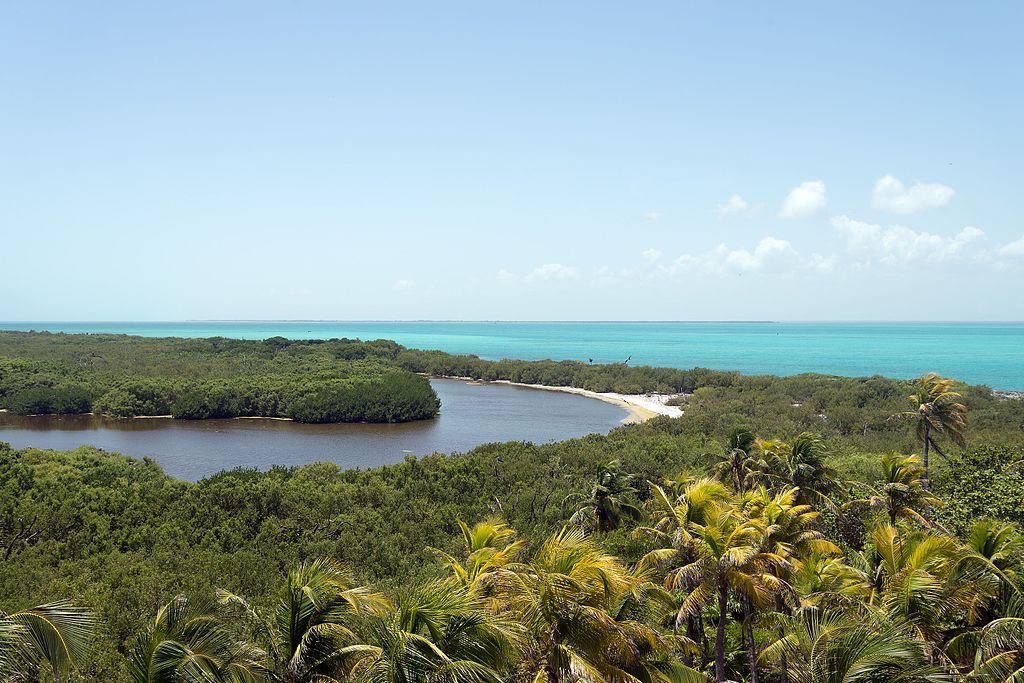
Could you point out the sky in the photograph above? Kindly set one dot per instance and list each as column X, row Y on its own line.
column 515, row 161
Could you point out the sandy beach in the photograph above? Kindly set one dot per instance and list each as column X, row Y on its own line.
column 641, row 407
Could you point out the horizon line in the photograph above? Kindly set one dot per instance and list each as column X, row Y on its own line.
column 503, row 320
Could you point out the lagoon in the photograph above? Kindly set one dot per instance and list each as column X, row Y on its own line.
column 471, row 414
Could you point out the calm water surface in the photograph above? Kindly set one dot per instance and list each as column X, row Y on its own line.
column 471, row 414
column 979, row 353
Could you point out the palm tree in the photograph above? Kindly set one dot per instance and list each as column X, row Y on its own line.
column 738, row 466
column 729, row 561
column 437, row 633
column 835, row 646
column 790, row 533
column 489, row 545
column 188, row 642
column 570, row 598
column 937, row 412
column 996, row 651
column 51, row 637
column 998, row 546
column 800, row 463
column 917, row 578
column 902, row 491
column 308, row 634
column 608, row 502
column 827, row 581
column 673, row 516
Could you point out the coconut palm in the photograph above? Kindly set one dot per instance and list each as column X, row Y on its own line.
column 438, row 632
column 789, row 532
column 999, row 546
column 835, row 646
column 937, row 412
column 570, row 598
column 489, row 545
column 739, row 466
column 996, row 651
column 609, row 501
column 188, row 642
column 51, row 638
column 902, row 492
column 308, row 634
column 673, row 515
column 728, row 562
column 800, row 463
column 917, row 579
column 827, row 581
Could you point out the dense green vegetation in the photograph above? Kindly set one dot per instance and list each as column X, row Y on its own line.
column 196, row 379
column 777, row 529
column 617, row 377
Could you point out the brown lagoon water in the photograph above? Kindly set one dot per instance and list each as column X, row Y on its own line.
column 471, row 414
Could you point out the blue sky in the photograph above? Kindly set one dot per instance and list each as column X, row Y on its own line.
column 678, row 160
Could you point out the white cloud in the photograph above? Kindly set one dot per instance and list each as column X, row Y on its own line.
column 552, row 271
column 542, row 273
column 897, row 244
column 403, row 285
column 651, row 255
column 652, row 216
column 736, row 204
column 1013, row 249
column 891, row 195
column 768, row 255
column 610, row 276
column 807, row 199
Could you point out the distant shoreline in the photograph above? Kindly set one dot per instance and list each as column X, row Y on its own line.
column 641, row 407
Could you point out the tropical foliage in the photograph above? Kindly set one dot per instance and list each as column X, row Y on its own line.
column 658, row 553
column 198, row 379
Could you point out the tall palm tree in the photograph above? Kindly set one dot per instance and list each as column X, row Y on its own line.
column 609, row 501
column 674, row 513
column 790, row 533
column 836, row 646
column 902, row 493
column 937, row 412
column 729, row 562
column 308, row 634
column 437, row 633
column 188, row 642
column 51, row 637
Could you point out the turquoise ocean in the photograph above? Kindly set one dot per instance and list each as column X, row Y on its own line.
column 979, row 353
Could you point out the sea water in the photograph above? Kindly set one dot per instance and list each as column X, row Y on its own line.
column 978, row 353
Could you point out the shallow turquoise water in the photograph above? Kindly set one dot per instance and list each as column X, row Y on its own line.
column 980, row 353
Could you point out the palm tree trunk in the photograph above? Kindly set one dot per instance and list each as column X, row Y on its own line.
column 780, row 607
column 723, row 600
column 703, row 640
column 927, row 472
column 748, row 635
column 691, row 633
column 549, row 665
